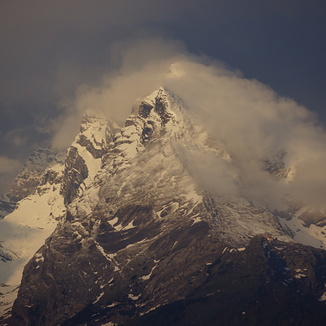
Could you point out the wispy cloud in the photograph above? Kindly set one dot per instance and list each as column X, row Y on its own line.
column 248, row 119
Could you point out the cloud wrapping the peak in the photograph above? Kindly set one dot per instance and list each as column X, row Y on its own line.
column 249, row 121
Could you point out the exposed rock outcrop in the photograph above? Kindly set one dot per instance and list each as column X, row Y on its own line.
column 27, row 180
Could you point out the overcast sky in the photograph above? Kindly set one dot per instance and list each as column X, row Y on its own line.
column 50, row 48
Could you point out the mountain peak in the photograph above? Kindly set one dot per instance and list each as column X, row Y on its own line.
column 152, row 96
column 136, row 205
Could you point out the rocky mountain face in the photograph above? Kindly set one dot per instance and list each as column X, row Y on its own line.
column 139, row 239
column 27, row 180
column 122, row 229
column 41, row 192
column 267, row 283
column 84, row 156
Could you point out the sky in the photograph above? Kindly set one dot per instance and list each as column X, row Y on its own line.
column 56, row 56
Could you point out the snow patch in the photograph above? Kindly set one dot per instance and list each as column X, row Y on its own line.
column 25, row 230
column 148, row 276
column 129, row 226
column 133, row 297
column 197, row 220
column 323, row 297
column 310, row 236
column 225, row 249
column 300, row 273
column 192, row 195
column 93, row 165
column 39, row 258
column 98, row 297
column 144, row 313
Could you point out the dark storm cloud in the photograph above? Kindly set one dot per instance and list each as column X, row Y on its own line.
column 49, row 48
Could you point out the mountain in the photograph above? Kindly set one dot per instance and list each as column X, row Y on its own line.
column 134, row 233
column 27, row 180
column 41, row 192
column 24, row 230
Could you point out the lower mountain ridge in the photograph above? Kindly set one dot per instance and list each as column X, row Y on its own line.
column 267, row 283
column 142, row 241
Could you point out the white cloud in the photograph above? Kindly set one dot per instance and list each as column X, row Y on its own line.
column 246, row 117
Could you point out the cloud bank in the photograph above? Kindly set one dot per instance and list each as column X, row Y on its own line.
column 247, row 119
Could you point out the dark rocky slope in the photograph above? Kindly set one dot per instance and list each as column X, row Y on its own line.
column 269, row 283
